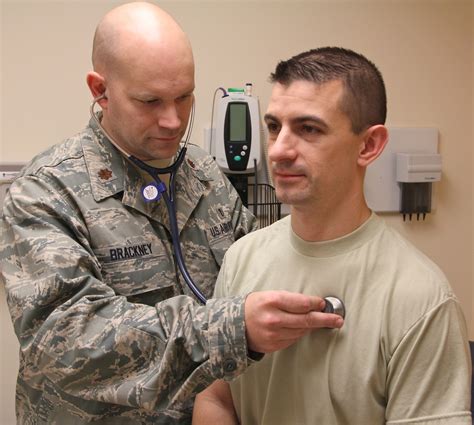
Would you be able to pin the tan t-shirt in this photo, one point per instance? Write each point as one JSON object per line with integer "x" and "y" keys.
{"x": 402, "y": 356}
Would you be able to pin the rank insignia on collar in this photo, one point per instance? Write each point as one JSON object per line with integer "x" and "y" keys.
{"x": 105, "y": 174}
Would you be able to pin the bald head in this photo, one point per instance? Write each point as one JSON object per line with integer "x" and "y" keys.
{"x": 143, "y": 79}
{"x": 134, "y": 33}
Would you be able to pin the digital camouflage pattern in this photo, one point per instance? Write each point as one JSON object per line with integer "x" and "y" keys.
{"x": 109, "y": 331}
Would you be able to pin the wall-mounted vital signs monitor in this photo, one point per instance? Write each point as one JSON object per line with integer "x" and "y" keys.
{"x": 236, "y": 146}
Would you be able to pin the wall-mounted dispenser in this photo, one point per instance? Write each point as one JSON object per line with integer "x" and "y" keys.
{"x": 415, "y": 174}
{"x": 400, "y": 180}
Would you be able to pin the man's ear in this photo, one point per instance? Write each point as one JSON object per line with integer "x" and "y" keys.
{"x": 374, "y": 141}
{"x": 97, "y": 86}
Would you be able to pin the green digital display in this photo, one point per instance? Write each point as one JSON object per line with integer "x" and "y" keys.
{"x": 238, "y": 122}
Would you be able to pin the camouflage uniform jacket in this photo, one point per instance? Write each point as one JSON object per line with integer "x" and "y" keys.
{"x": 108, "y": 330}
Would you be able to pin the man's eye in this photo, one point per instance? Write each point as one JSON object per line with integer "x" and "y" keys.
{"x": 309, "y": 129}
{"x": 183, "y": 98}
{"x": 151, "y": 101}
{"x": 273, "y": 127}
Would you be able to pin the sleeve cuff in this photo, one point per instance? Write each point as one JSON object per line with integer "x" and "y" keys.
{"x": 228, "y": 352}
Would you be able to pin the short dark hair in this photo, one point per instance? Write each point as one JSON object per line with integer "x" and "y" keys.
{"x": 364, "y": 99}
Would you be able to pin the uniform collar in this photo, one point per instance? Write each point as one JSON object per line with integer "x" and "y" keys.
{"x": 111, "y": 173}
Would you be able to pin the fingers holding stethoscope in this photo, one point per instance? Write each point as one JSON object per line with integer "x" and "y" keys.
{"x": 276, "y": 319}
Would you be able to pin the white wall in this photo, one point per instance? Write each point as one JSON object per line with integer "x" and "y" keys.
{"x": 424, "y": 48}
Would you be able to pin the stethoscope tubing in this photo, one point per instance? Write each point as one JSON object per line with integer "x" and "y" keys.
{"x": 170, "y": 200}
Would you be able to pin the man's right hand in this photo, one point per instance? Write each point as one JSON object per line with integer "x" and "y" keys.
{"x": 276, "y": 319}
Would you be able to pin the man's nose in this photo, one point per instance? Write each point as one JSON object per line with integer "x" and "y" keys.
{"x": 283, "y": 148}
{"x": 169, "y": 117}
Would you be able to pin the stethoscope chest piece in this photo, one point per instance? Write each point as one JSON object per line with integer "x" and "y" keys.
{"x": 334, "y": 305}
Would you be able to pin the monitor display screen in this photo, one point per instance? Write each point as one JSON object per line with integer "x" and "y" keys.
{"x": 238, "y": 122}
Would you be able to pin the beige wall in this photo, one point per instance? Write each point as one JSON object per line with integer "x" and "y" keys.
{"x": 423, "y": 48}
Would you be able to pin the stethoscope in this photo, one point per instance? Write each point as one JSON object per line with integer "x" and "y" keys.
{"x": 158, "y": 190}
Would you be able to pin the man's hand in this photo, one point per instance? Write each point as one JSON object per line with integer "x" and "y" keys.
{"x": 276, "y": 319}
